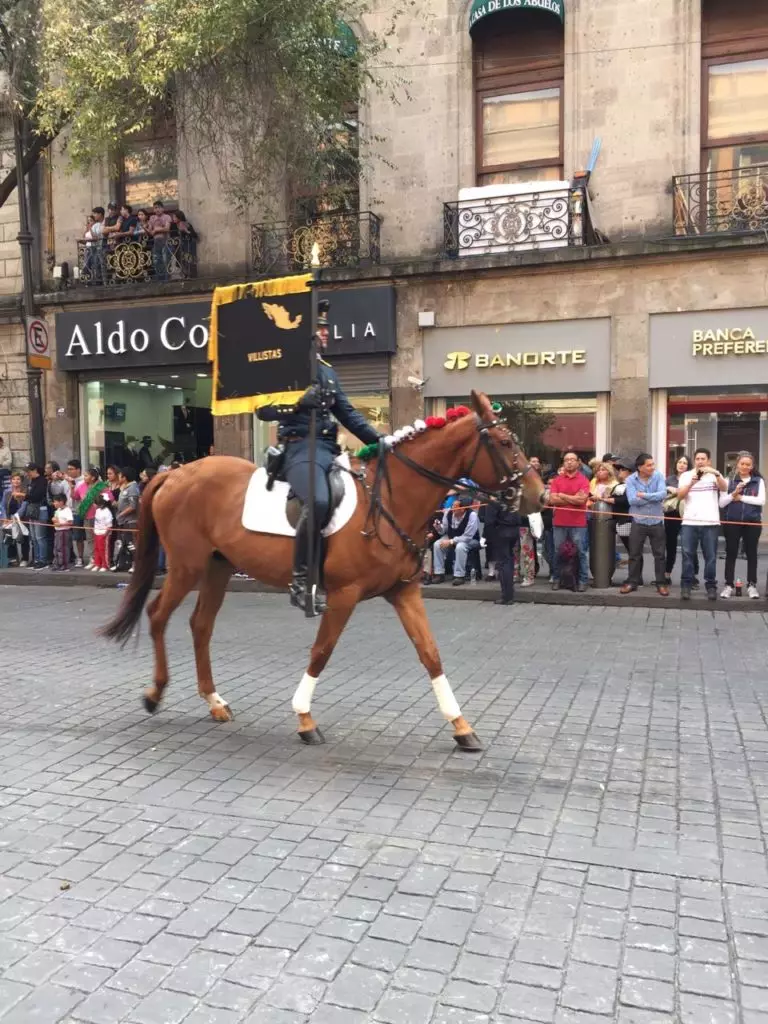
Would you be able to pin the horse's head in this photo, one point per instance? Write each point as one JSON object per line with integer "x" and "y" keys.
{"x": 500, "y": 463}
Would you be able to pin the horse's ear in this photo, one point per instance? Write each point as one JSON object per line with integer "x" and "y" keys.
{"x": 481, "y": 403}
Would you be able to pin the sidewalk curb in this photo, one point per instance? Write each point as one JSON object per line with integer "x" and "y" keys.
{"x": 644, "y": 598}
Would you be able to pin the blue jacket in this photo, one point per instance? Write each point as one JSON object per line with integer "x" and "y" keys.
{"x": 744, "y": 511}
{"x": 294, "y": 419}
{"x": 647, "y": 510}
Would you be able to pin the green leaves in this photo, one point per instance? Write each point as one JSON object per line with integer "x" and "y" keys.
{"x": 257, "y": 87}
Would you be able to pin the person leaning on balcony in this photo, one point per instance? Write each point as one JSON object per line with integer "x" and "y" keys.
{"x": 126, "y": 226}
{"x": 160, "y": 229}
{"x": 94, "y": 265}
{"x": 111, "y": 222}
{"x": 182, "y": 229}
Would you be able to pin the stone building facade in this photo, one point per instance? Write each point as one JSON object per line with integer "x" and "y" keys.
{"x": 558, "y": 176}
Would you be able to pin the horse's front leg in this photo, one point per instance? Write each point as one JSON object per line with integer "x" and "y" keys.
{"x": 409, "y": 605}
{"x": 341, "y": 604}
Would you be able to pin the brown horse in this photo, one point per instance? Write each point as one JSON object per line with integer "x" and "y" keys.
{"x": 195, "y": 514}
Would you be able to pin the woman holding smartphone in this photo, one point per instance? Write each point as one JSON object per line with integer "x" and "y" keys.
{"x": 743, "y": 503}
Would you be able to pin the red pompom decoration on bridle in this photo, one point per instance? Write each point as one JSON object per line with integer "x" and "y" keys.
{"x": 456, "y": 413}
{"x": 435, "y": 421}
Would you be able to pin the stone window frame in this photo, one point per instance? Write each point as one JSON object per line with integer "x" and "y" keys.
{"x": 729, "y": 36}
{"x": 519, "y": 72}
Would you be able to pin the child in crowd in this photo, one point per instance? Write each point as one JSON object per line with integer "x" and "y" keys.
{"x": 102, "y": 524}
{"x": 62, "y": 524}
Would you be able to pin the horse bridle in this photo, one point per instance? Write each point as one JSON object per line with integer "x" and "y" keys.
{"x": 509, "y": 492}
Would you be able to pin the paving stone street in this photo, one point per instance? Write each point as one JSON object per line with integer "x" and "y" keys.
{"x": 603, "y": 860}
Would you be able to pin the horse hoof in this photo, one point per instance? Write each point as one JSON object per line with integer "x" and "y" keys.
{"x": 222, "y": 713}
{"x": 312, "y": 737}
{"x": 468, "y": 741}
{"x": 150, "y": 705}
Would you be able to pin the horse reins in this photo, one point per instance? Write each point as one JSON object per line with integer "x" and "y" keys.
{"x": 509, "y": 491}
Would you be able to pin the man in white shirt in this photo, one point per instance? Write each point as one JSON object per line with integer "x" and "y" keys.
{"x": 700, "y": 489}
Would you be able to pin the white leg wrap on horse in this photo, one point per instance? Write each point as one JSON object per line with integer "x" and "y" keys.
{"x": 302, "y": 699}
{"x": 446, "y": 701}
{"x": 215, "y": 701}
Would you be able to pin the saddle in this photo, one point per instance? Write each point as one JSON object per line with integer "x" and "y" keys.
{"x": 271, "y": 507}
{"x": 337, "y": 490}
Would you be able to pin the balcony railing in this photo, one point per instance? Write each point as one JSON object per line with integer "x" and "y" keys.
{"x": 135, "y": 261}
{"x": 547, "y": 218}
{"x": 721, "y": 202}
{"x": 336, "y": 239}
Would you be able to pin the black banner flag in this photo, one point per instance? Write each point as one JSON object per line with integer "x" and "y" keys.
{"x": 260, "y": 344}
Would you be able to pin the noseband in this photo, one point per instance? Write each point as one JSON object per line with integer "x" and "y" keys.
{"x": 511, "y": 479}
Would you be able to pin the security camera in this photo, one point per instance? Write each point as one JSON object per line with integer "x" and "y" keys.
{"x": 417, "y": 382}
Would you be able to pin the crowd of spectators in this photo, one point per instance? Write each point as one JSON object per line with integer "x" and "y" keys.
{"x": 167, "y": 235}
{"x": 60, "y": 519}
{"x": 57, "y": 520}
{"x": 691, "y": 508}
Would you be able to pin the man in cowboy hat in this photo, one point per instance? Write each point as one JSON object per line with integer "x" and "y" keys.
{"x": 327, "y": 397}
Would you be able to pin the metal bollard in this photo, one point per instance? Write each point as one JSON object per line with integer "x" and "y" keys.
{"x": 603, "y": 542}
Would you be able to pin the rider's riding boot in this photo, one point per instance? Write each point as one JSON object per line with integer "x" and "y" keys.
{"x": 298, "y": 588}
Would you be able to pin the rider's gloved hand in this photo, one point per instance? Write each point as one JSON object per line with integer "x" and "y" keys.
{"x": 311, "y": 399}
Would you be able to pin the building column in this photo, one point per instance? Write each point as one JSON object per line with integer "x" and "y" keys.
{"x": 629, "y": 383}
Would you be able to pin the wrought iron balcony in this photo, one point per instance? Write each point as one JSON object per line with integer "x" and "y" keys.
{"x": 336, "y": 239}
{"x": 721, "y": 202}
{"x": 548, "y": 218}
{"x": 135, "y": 261}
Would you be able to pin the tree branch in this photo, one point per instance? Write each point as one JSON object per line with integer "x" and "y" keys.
{"x": 36, "y": 149}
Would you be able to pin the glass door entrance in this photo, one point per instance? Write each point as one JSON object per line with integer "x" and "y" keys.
{"x": 726, "y": 426}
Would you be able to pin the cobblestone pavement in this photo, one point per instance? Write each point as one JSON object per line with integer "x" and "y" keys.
{"x": 602, "y": 861}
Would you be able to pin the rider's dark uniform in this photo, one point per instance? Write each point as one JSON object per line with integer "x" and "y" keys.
{"x": 327, "y": 396}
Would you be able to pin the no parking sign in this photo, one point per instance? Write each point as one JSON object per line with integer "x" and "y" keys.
{"x": 38, "y": 343}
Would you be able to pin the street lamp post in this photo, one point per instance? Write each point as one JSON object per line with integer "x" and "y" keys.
{"x": 34, "y": 375}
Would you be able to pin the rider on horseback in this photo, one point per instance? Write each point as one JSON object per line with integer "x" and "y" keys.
{"x": 325, "y": 395}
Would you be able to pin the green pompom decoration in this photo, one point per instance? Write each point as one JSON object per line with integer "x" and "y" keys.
{"x": 370, "y": 451}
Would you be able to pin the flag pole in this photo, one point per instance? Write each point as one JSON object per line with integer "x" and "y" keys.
{"x": 309, "y": 603}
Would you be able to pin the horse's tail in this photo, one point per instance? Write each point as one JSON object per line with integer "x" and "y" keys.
{"x": 144, "y": 568}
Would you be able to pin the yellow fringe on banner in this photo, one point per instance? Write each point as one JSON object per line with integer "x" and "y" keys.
{"x": 231, "y": 293}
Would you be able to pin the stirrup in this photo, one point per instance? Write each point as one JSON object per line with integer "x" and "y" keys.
{"x": 299, "y": 596}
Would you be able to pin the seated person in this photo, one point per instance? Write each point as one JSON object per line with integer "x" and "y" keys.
{"x": 460, "y": 531}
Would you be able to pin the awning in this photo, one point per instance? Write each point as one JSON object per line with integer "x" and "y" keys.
{"x": 485, "y": 8}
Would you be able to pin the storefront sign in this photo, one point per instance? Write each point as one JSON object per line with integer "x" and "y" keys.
{"x": 485, "y": 8}
{"x": 486, "y": 360}
{"x": 561, "y": 357}
{"x": 361, "y": 321}
{"x": 114, "y": 338}
{"x": 709, "y": 348}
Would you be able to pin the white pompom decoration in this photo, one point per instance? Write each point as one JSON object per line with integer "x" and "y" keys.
{"x": 420, "y": 426}
{"x": 408, "y": 432}
{"x": 390, "y": 441}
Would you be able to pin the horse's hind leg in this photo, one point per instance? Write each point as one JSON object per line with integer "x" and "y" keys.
{"x": 213, "y": 587}
{"x": 341, "y": 605}
{"x": 409, "y": 605}
{"x": 176, "y": 586}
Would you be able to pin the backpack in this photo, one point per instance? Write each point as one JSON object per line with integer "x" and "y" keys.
{"x": 568, "y": 560}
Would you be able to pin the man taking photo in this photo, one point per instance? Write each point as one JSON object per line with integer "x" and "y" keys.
{"x": 700, "y": 489}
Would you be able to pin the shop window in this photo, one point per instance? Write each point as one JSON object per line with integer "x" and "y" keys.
{"x": 375, "y": 408}
{"x": 547, "y": 426}
{"x": 725, "y": 422}
{"x": 518, "y": 67}
{"x": 172, "y": 409}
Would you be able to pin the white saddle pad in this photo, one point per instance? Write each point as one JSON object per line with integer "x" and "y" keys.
{"x": 264, "y": 511}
